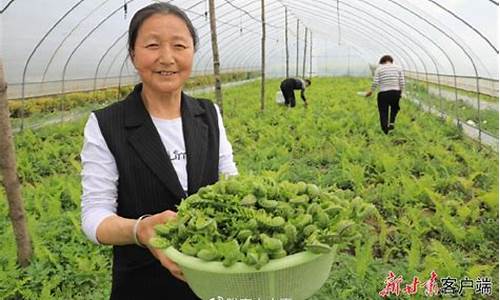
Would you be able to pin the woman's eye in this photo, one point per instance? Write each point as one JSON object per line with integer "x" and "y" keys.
{"x": 152, "y": 46}
{"x": 180, "y": 46}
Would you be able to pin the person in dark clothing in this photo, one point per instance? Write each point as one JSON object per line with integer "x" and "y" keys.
{"x": 141, "y": 156}
{"x": 289, "y": 85}
{"x": 390, "y": 78}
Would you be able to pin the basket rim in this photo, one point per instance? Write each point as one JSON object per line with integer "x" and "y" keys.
{"x": 198, "y": 264}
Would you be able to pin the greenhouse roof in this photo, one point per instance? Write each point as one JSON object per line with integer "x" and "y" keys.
{"x": 62, "y": 40}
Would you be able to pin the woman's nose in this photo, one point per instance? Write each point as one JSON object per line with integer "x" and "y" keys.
{"x": 166, "y": 56}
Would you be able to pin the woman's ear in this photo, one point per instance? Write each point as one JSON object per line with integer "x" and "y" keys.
{"x": 131, "y": 54}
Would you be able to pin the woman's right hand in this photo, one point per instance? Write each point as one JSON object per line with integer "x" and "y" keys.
{"x": 146, "y": 231}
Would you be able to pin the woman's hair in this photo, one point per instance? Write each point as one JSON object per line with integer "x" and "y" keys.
{"x": 308, "y": 81}
{"x": 157, "y": 8}
{"x": 385, "y": 59}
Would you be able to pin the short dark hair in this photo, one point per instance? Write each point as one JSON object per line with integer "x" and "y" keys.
{"x": 308, "y": 81}
{"x": 385, "y": 59}
{"x": 157, "y": 8}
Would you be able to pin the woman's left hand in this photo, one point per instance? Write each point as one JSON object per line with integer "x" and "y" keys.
{"x": 146, "y": 231}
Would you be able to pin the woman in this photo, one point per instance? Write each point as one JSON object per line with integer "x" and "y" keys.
{"x": 390, "y": 78}
{"x": 289, "y": 85}
{"x": 143, "y": 155}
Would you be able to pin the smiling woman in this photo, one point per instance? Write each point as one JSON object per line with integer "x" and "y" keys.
{"x": 163, "y": 56}
{"x": 130, "y": 181}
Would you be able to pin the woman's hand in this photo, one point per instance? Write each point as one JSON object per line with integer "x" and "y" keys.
{"x": 368, "y": 94}
{"x": 146, "y": 231}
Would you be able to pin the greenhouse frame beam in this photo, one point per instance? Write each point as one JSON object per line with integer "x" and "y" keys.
{"x": 380, "y": 29}
{"x": 422, "y": 15}
{"x": 229, "y": 37}
{"x": 54, "y": 53}
{"x": 362, "y": 34}
{"x": 104, "y": 55}
{"x": 304, "y": 59}
{"x": 466, "y": 53}
{"x": 120, "y": 77}
{"x": 84, "y": 39}
{"x": 427, "y": 38}
{"x": 247, "y": 13}
{"x": 78, "y": 46}
{"x": 200, "y": 58}
{"x": 338, "y": 23}
{"x": 249, "y": 56}
{"x": 249, "y": 62}
{"x": 35, "y": 49}
{"x": 328, "y": 21}
{"x": 403, "y": 34}
{"x": 287, "y": 59}
{"x": 121, "y": 51}
{"x": 466, "y": 23}
{"x": 224, "y": 38}
{"x": 234, "y": 54}
{"x": 421, "y": 34}
{"x": 222, "y": 43}
{"x": 263, "y": 56}
{"x": 355, "y": 47}
{"x": 6, "y": 6}
{"x": 310, "y": 55}
{"x": 297, "y": 57}
{"x": 67, "y": 36}
{"x": 407, "y": 36}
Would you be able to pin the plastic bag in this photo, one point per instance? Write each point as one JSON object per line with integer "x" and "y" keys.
{"x": 279, "y": 98}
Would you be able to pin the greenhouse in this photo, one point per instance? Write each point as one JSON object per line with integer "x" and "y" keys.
{"x": 230, "y": 149}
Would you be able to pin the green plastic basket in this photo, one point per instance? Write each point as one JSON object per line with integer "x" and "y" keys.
{"x": 294, "y": 277}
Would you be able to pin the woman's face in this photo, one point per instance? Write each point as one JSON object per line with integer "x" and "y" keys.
{"x": 163, "y": 53}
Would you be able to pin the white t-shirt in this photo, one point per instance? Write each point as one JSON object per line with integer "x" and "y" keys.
{"x": 100, "y": 173}
{"x": 172, "y": 138}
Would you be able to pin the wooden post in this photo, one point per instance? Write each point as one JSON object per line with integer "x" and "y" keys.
{"x": 305, "y": 55}
{"x": 310, "y": 54}
{"x": 297, "y": 62}
{"x": 215, "y": 53}
{"x": 10, "y": 181}
{"x": 286, "y": 44}
{"x": 263, "y": 57}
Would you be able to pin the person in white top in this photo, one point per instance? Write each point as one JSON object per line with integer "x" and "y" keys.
{"x": 153, "y": 135}
{"x": 390, "y": 78}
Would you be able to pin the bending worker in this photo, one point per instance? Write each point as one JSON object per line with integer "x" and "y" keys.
{"x": 289, "y": 85}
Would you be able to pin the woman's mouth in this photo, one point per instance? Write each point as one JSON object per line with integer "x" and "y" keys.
{"x": 166, "y": 73}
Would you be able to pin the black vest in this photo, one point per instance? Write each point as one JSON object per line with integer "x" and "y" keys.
{"x": 148, "y": 184}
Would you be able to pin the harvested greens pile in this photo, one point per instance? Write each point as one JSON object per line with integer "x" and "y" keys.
{"x": 255, "y": 219}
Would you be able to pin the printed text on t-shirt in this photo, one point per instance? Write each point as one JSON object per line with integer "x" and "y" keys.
{"x": 176, "y": 155}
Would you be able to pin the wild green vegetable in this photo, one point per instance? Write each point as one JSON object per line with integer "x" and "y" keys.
{"x": 254, "y": 219}
{"x": 427, "y": 182}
